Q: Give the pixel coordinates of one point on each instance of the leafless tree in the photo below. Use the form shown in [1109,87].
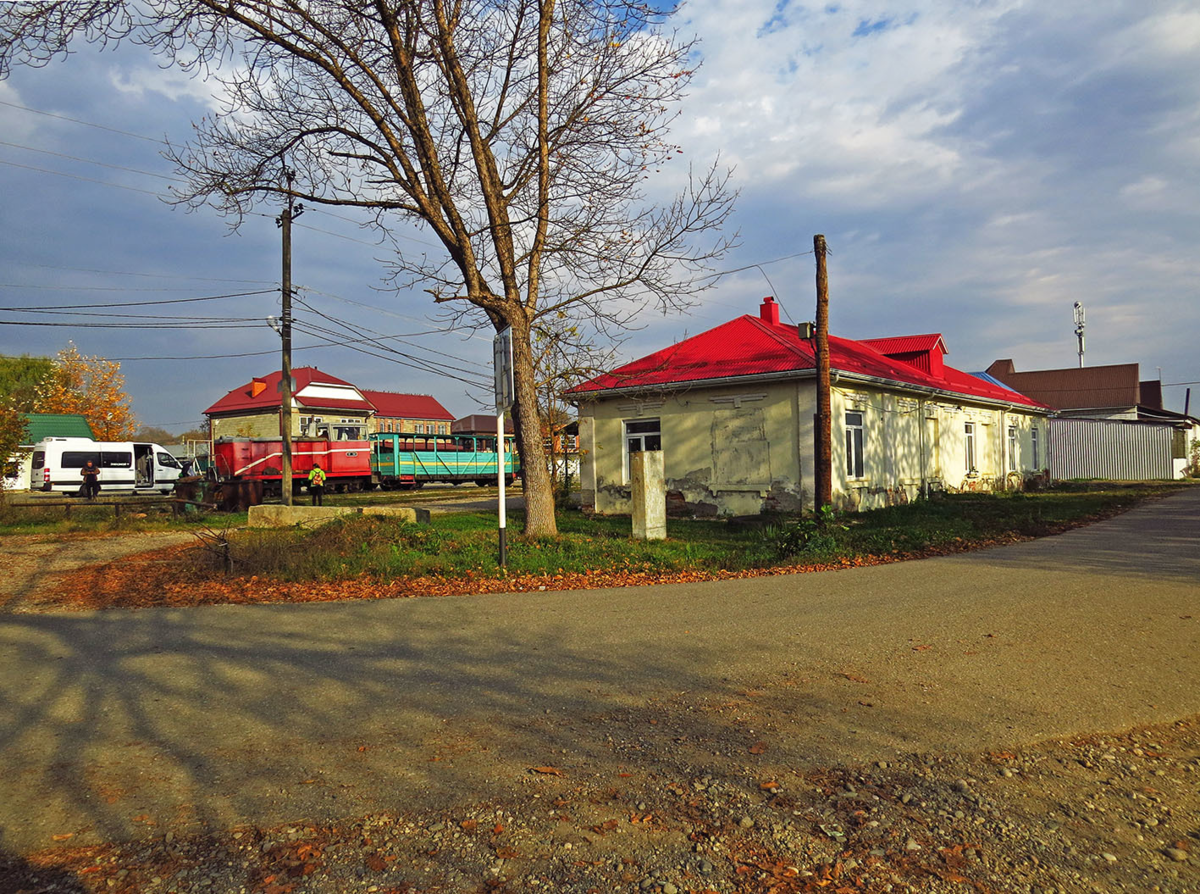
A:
[521,132]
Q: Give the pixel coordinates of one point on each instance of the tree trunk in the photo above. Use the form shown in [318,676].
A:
[539,498]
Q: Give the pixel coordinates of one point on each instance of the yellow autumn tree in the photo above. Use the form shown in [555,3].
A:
[93,388]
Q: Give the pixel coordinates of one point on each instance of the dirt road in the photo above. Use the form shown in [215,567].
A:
[426,713]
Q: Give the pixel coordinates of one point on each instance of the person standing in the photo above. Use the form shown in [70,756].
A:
[91,480]
[316,484]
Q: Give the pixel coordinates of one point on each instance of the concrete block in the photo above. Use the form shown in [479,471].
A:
[649,493]
[278,516]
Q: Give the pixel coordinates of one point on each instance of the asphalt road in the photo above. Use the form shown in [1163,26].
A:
[122,724]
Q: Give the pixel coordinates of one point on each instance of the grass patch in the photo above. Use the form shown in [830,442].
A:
[465,545]
[72,516]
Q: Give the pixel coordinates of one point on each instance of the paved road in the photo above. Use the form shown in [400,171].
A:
[115,721]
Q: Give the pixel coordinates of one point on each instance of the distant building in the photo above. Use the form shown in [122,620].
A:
[480,424]
[1110,423]
[323,406]
[1094,392]
[417,414]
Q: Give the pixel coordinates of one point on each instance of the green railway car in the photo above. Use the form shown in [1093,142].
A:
[408,461]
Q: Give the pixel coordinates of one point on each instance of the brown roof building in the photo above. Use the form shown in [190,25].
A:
[1101,392]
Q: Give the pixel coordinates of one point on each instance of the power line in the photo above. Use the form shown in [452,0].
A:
[154,275]
[367,332]
[50,307]
[91,161]
[123,133]
[132,325]
[13,164]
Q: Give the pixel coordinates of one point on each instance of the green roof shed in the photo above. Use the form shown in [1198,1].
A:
[39,426]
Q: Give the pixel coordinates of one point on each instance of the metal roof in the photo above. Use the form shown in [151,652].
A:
[1074,388]
[407,406]
[39,426]
[753,347]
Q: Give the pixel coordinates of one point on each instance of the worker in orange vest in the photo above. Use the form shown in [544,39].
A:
[316,484]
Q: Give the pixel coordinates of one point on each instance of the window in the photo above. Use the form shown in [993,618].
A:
[1012,448]
[116,460]
[969,430]
[75,459]
[165,459]
[644,434]
[1033,443]
[854,444]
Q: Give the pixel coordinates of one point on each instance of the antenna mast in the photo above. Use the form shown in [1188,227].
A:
[1080,325]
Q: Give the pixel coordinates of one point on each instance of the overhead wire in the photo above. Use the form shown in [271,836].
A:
[363,331]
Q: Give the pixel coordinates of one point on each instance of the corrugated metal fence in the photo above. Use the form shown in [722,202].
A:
[1118,451]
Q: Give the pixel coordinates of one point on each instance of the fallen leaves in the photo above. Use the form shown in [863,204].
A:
[547,771]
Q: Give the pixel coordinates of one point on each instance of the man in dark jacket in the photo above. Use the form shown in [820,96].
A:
[91,480]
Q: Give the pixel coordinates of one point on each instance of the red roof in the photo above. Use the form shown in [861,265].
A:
[753,347]
[407,406]
[263,394]
[907,344]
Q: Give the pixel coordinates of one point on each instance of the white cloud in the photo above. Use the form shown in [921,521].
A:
[170,84]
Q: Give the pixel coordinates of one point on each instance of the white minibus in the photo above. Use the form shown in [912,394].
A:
[125,466]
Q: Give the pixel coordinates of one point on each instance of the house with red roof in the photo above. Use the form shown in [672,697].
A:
[733,411]
[411,413]
[322,406]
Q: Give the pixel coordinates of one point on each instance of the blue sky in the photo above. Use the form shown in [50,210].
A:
[977,167]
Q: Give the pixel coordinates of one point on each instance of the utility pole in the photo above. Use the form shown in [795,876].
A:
[284,222]
[823,419]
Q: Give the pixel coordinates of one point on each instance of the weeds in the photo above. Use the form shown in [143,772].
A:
[466,545]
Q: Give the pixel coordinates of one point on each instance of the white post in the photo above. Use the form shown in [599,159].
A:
[500,464]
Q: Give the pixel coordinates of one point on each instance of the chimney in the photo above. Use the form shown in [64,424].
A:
[769,311]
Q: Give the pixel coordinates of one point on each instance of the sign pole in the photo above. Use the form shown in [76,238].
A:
[502,357]
[500,464]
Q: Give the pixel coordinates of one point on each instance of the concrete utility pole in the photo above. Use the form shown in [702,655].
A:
[823,457]
[284,221]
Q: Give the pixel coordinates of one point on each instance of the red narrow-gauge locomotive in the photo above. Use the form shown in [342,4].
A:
[347,464]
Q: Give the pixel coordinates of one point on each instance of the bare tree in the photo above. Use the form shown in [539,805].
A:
[521,132]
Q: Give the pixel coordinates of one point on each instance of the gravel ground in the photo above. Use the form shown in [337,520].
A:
[1094,814]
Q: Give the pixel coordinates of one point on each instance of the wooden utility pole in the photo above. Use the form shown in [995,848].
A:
[290,213]
[823,419]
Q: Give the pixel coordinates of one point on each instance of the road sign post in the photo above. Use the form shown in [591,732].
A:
[502,358]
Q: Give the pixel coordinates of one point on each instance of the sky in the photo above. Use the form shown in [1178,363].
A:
[976,167]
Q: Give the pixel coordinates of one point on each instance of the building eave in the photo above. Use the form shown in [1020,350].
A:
[800,375]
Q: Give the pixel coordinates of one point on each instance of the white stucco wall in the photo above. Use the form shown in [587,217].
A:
[746,449]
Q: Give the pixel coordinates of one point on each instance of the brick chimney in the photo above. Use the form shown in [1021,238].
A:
[769,311]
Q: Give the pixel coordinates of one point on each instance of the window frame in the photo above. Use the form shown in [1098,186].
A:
[1033,443]
[648,433]
[969,446]
[856,445]
[1013,448]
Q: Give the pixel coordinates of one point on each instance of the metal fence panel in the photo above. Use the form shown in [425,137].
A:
[1114,450]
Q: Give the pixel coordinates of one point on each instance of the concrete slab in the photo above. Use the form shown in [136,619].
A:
[273,516]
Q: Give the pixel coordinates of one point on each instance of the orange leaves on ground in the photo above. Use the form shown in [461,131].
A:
[921,648]
[547,771]
[758,748]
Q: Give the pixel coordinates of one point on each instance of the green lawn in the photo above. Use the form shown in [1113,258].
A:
[465,544]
